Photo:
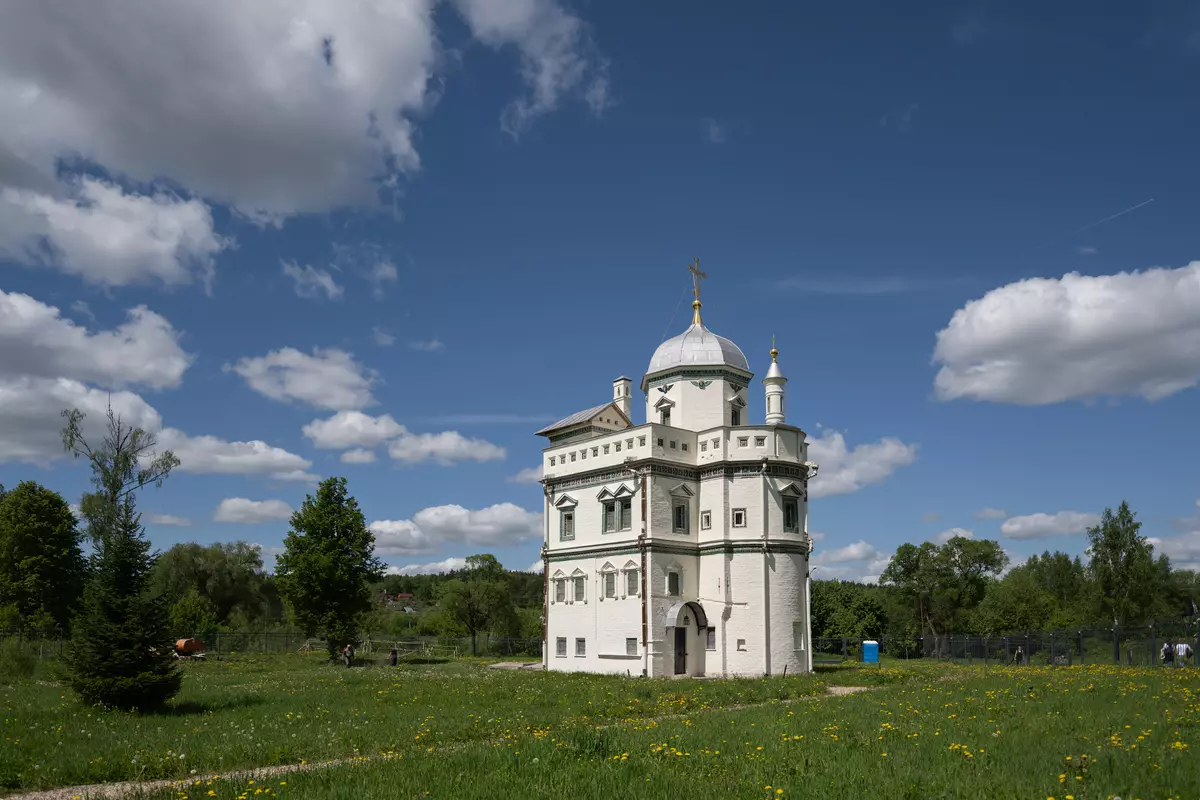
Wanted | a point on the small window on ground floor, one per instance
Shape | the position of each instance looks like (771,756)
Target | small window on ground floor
(798,632)
(631,646)
(581,647)
(741,644)
(710,642)
(560,647)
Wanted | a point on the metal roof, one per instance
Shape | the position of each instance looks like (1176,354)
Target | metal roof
(575,419)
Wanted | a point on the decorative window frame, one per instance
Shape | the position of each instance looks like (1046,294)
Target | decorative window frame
(792,494)
(567,505)
(560,647)
(705,520)
(578,579)
(672,568)
(631,567)
(733,515)
(559,578)
(681,497)
(607,571)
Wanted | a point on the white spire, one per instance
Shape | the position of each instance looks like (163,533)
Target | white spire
(773,382)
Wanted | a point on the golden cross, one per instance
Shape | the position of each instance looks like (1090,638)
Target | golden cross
(696,276)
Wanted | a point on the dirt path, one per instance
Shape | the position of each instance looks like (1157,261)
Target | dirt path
(124,789)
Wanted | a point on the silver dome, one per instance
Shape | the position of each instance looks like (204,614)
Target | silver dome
(697,346)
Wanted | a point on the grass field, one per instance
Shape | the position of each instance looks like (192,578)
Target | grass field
(460,730)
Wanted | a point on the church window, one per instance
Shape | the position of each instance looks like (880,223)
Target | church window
(610,585)
(610,517)
(741,644)
(566,526)
(641,441)
(625,514)
(716,443)
(743,441)
(672,444)
(739,518)
(580,648)
(673,584)
(710,641)
(632,589)
(735,417)
(552,461)
(579,589)
(560,592)
(595,452)
(679,518)
(560,647)
(797,635)
(629,443)
(684,446)
(572,456)
(705,520)
(583,454)
(664,416)
(704,447)
(605,449)
(760,441)
(791,515)
(617,447)
(660,442)
(631,646)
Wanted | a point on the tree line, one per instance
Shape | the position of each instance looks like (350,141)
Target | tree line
(965,587)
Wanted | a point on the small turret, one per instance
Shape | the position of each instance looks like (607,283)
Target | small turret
(621,388)
(773,382)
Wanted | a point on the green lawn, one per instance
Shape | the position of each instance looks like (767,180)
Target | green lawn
(461,730)
(260,711)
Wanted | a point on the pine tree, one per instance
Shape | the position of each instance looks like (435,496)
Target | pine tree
(121,653)
(327,565)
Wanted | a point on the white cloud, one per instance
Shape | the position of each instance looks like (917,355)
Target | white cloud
(384,272)
(330,378)
(442,448)
(844,471)
(558,56)
(1047,340)
(382,337)
(446,565)
(500,525)
(251,512)
(277,107)
(816,536)
(311,282)
(527,475)
(990,513)
(427,345)
(95,230)
(1043,526)
(30,425)
(358,456)
(538,566)
(946,536)
(36,340)
(858,551)
(1184,550)
(209,455)
(352,429)
(166,519)
(714,132)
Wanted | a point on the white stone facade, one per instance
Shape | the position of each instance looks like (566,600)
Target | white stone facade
(679,548)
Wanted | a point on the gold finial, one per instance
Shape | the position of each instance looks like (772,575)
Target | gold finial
(696,276)
(774,352)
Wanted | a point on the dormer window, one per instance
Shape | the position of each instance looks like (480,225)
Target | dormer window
(664,416)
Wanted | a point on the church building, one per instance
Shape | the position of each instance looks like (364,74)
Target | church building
(679,546)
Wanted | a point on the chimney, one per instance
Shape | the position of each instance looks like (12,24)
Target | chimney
(621,398)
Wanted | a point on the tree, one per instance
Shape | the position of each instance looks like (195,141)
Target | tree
(230,577)
(194,615)
(1121,564)
(1017,603)
(477,604)
(328,565)
(121,653)
(41,564)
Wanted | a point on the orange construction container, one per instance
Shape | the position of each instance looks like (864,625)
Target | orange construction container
(189,646)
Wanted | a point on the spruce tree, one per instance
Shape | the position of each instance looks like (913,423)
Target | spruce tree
(121,650)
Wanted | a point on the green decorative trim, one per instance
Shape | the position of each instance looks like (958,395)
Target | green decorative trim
(774,546)
(701,384)
(654,467)
(738,380)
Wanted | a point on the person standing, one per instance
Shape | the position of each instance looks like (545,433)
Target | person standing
(1168,653)
(1183,651)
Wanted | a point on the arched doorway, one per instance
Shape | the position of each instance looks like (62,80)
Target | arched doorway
(687,626)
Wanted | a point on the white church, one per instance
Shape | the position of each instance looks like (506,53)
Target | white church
(679,546)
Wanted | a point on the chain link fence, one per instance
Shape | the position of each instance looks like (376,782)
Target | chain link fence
(1131,646)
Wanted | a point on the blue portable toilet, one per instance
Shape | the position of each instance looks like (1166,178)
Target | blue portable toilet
(870,652)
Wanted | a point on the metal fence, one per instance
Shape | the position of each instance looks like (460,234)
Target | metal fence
(52,644)
(1131,646)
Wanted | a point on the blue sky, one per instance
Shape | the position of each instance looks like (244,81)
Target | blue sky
(289,236)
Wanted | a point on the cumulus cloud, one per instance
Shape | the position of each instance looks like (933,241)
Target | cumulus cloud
(358,456)
(445,565)
(36,340)
(383,273)
(946,536)
(1047,340)
(538,566)
(844,470)
(329,378)
(352,429)
(210,455)
(1044,526)
(150,518)
(990,513)
(251,512)
(527,475)
(558,56)
(97,231)
(1183,550)
(443,448)
(858,551)
(276,108)
(311,282)
(500,525)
